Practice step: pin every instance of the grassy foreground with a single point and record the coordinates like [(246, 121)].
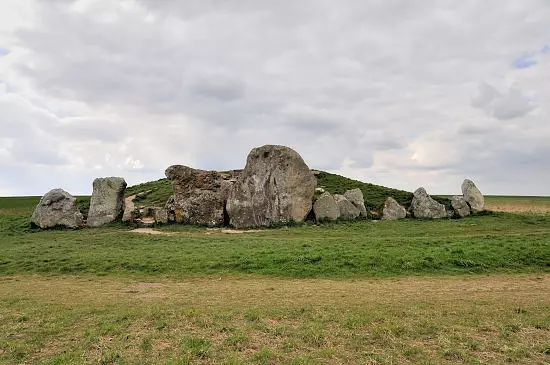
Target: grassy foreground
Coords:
[(261, 320), (364, 292)]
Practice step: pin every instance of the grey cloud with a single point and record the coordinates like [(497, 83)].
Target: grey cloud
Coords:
[(218, 87), (201, 82), (471, 129), (503, 106)]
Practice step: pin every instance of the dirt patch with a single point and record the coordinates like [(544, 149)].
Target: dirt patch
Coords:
[(151, 231), (232, 231), (129, 200), (207, 231)]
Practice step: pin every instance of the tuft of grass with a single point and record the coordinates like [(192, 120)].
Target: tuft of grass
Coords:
[(197, 346)]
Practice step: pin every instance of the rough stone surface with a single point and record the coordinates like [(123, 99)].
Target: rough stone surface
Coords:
[(325, 207), (107, 203), (199, 196), (57, 208), (460, 206), (393, 210), (160, 215), (346, 208), (423, 206), (355, 196), (473, 196), (275, 186), (131, 212)]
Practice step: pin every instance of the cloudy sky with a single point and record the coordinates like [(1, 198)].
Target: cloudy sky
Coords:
[(399, 93)]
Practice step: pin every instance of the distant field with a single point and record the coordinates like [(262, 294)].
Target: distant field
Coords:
[(532, 204)]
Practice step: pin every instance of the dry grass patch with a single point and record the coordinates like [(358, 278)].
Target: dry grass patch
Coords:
[(518, 204), (237, 320)]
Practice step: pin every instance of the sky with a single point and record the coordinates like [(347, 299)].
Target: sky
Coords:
[(397, 93)]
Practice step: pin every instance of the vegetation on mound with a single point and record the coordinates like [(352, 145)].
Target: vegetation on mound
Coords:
[(155, 193), (158, 192), (374, 195)]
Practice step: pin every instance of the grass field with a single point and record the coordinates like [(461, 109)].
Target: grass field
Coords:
[(530, 204), (475, 290)]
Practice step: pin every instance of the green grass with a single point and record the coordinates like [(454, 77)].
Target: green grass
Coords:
[(20, 203), (366, 291), (480, 244), (158, 192)]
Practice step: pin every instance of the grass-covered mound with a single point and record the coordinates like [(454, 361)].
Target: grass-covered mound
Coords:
[(156, 193), (160, 190), (374, 195)]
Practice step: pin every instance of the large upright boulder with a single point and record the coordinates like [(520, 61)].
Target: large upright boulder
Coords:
[(57, 208), (473, 196), (107, 203), (423, 206), (325, 207), (275, 186), (461, 208), (199, 196), (347, 210), (355, 196), (392, 210)]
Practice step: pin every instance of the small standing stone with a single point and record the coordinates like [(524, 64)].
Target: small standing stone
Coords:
[(393, 210), (347, 209), (355, 196), (325, 207), (57, 208), (460, 206), (423, 206), (473, 196), (107, 202)]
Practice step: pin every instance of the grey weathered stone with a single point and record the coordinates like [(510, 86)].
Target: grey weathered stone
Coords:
[(107, 202), (57, 208), (347, 209), (275, 186), (423, 206), (160, 215), (325, 207), (355, 196), (393, 210), (172, 210), (131, 212), (199, 196), (460, 206), (473, 196)]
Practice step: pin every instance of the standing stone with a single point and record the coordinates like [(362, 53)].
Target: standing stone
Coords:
[(355, 196), (199, 196), (325, 207), (275, 186), (460, 206), (57, 208), (160, 215), (423, 206), (347, 209), (393, 210), (473, 196), (107, 203), (131, 212)]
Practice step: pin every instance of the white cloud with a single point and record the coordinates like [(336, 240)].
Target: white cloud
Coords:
[(384, 91)]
